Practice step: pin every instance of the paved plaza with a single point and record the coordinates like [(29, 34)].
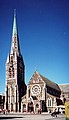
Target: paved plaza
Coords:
[(19, 116)]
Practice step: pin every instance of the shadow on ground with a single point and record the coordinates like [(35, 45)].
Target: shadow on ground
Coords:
[(9, 117)]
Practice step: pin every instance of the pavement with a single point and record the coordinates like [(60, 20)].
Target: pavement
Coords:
[(28, 116)]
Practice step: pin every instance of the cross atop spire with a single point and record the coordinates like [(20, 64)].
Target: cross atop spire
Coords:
[(14, 25)]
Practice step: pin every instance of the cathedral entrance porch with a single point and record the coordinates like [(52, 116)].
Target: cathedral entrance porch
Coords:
[(30, 107)]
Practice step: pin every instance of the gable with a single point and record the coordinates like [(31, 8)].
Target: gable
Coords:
[(39, 79), (36, 78)]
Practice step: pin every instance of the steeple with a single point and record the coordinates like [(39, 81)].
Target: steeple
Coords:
[(15, 73), (15, 39), (14, 25)]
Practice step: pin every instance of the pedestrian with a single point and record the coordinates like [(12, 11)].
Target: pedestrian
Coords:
[(53, 114)]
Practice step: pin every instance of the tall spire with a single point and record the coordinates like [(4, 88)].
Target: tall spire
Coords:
[(15, 40), (14, 24)]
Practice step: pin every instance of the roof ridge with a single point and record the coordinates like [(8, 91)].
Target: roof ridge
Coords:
[(48, 79), (64, 84)]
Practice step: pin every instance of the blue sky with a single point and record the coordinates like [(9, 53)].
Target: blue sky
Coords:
[(43, 28)]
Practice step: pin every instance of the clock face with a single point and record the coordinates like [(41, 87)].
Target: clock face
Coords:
[(36, 89)]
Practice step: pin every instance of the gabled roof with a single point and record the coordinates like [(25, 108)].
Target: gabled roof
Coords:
[(44, 79), (50, 83)]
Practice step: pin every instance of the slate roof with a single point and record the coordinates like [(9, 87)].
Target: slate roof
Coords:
[(64, 87), (47, 81), (50, 83)]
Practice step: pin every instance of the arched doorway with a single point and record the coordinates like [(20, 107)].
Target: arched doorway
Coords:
[(30, 107), (24, 108), (11, 107), (37, 107)]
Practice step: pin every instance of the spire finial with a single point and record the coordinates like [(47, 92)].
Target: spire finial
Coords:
[(14, 24), (14, 12)]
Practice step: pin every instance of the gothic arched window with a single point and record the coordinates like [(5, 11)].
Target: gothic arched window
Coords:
[(29, 93), (49, 102), (11, 72)]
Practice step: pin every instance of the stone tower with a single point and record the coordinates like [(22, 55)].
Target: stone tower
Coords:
[(15, 70)]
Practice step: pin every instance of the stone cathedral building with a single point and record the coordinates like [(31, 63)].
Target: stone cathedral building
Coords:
[(15, 70), (41, 93)]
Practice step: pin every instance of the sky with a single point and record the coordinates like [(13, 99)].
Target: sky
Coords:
[(43, 29)]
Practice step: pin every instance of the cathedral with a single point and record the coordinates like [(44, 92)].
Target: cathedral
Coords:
[(15, 74), (40, 93), (43, 94)]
